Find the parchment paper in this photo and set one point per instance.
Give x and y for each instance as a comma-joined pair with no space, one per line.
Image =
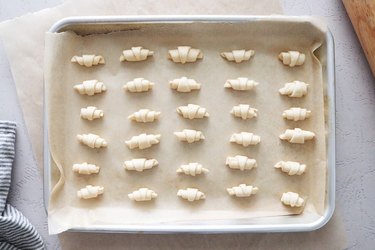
67,211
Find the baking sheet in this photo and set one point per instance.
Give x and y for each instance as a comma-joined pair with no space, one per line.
63,104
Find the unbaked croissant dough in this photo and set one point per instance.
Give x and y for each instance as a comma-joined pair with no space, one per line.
296,114
85,168
92,141
143,194
292,58
88,60
297,135
238,56
291,167
241,162
90,113
192,169
90,191
244,111
144,115
292,199
242,190
140,164
90,87
138,85
184,54
190,135
184,84
241,84
192,111
143,141
135,54
191,194
245,139
294,89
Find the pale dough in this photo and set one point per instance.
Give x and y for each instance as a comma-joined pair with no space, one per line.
184,54
85,168
138,85
291,167
88,60
91,113
296,114
192,111
294,89
242,190
191,194
297,135
142,194
135,54
140,164
240,84
184,85
238,56
292,199
190,135
90,87
144,115
241,162
143,141
192,169
245,139
292,58
90,191
92,140
244,111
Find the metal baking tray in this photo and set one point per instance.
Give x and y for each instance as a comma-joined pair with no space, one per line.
105,24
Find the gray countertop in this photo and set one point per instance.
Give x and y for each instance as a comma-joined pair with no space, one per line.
355,114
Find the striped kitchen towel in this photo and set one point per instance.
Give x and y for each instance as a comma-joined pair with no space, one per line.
16,232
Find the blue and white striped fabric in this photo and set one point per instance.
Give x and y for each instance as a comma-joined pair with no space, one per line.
16,232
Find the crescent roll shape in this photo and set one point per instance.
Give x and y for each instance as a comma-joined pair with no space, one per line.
245,139
88,60
91,113
240,84
242,190
294,89
92,141
191,194
184,85
135,54
244,111
192,169
140,164
143,194
238,56
144,115
138,85
184,54
296,114
143,141
292,199
192,111
85,168
90,87
297,135
190,135
291,167
241,162
292,58
90,191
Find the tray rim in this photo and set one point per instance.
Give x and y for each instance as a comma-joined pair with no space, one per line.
217,228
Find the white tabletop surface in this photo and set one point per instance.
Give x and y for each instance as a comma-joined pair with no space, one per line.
355,93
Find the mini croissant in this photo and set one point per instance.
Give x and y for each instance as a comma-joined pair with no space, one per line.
192,169
184,54
142,194
143,141
296,114
184,85
92,141
190,135
138,85
90,113
297,135
292,58
144,115
135,54
244,111
90,87
292,199
241,84
85,168
192,111
245,139
294,89
241,162
291,167
238,56
191,194
88,60
90,191
140,164
242,190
